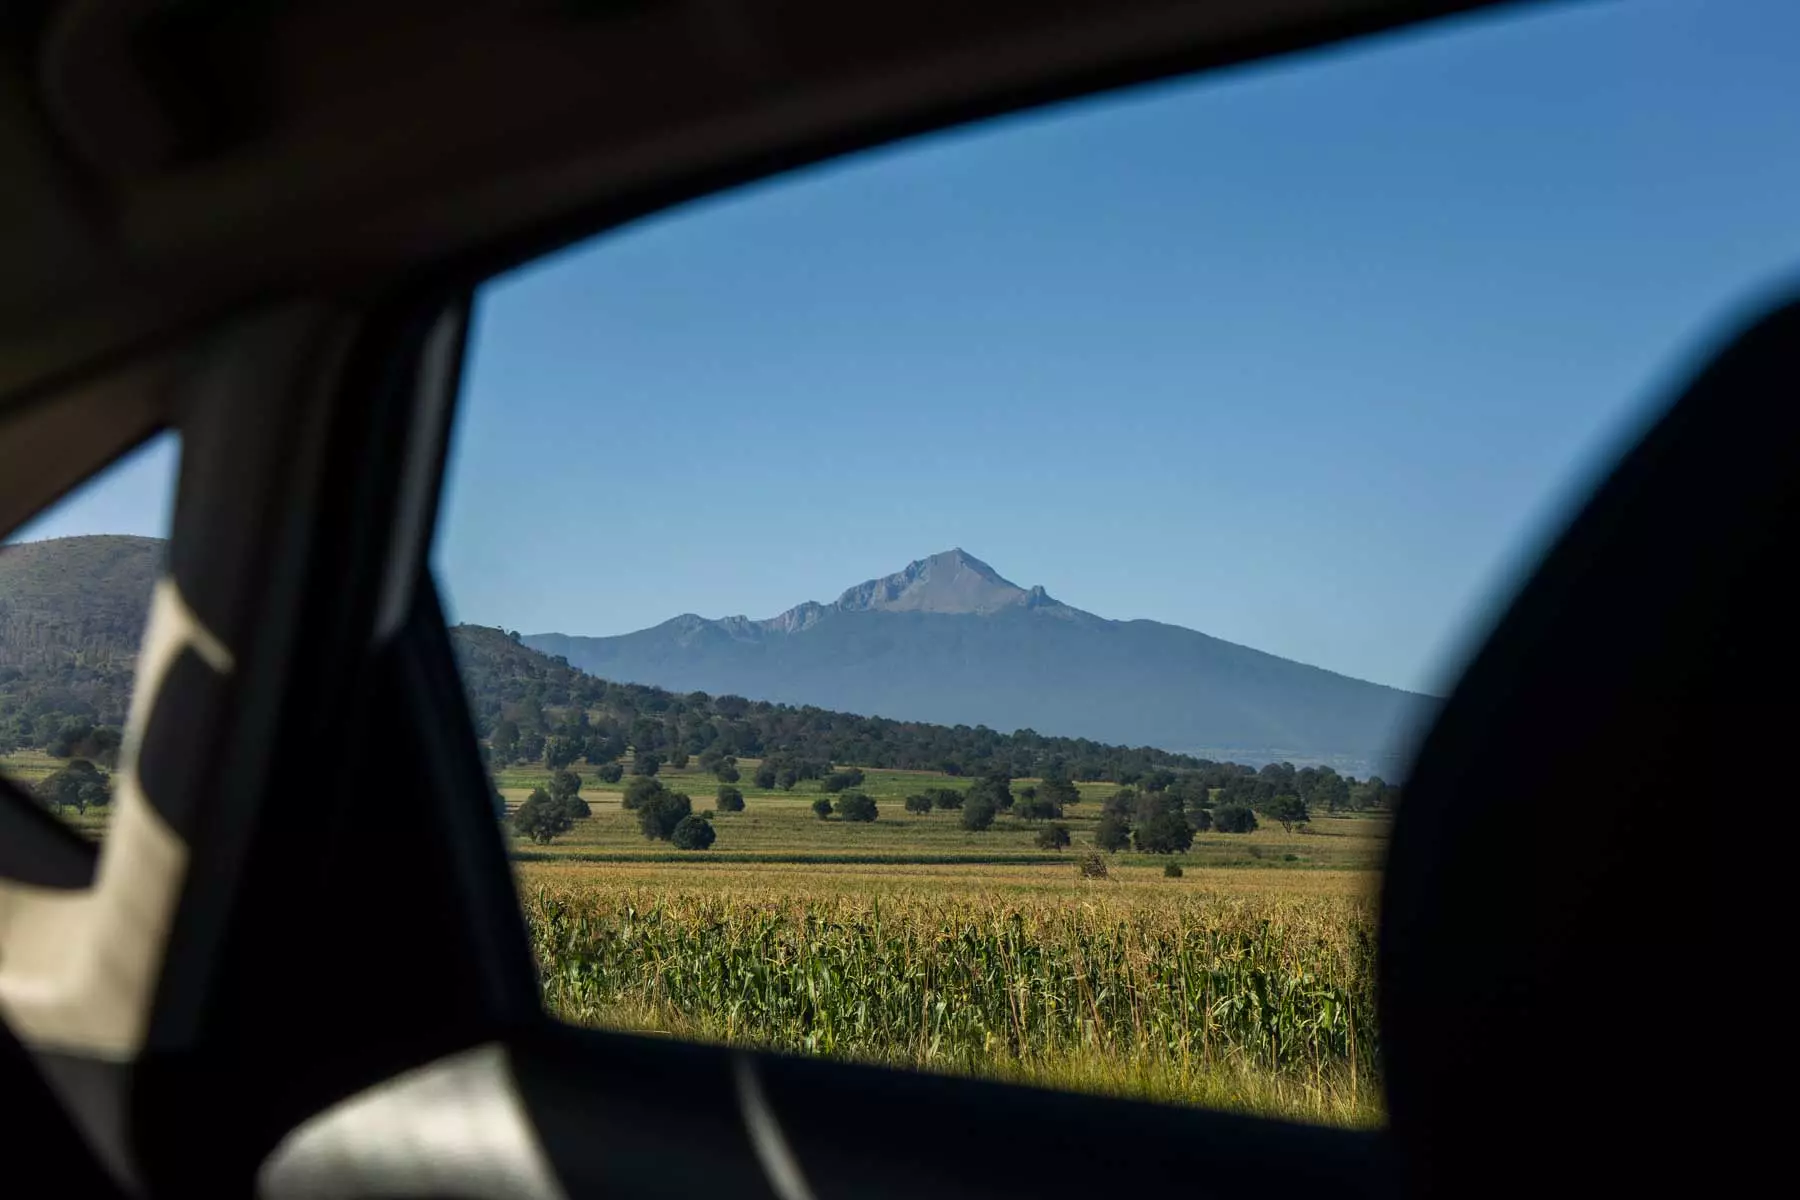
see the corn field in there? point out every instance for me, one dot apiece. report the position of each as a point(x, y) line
point(1264, 1004)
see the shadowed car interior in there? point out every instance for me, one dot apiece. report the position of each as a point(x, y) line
point(260, 226)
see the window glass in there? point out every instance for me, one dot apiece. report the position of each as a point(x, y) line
point(969, 606)
point(75, 588)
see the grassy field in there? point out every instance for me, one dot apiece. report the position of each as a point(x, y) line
point(1247, 983)
point(778, 826)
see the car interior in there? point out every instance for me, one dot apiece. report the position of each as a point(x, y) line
point(260, 225)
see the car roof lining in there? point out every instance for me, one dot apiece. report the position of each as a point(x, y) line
point(373, 143)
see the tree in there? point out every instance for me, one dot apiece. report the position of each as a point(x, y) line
point(93, 795)
point(1158, 780)
point(1036, 807)
point(678, 758)
point(1200, 819)
point(611, 772)
point(1234, 818)
point(856, 806)
point(821, 808)
point(645, 764)
point(1091, 866)
point(1172, 870)
point(839, 781)
point(1059, 790)
point(1289, 811)
point(564, 783)
point(531, 745)
point(505, 740)
point(765, 775)
point(659, 814)
point(640, 791)
point(946, 798)
point(727, 772)
point(787, 778)
point(1053, 837)
point(1121, 803)
point(1112, 834)
point(730, 799)
point(559, 752)
point(918, 802)
point(1165, 833)
point(541, 818)
point(978, 812)
point(67, 785)
point(693, 833)
point(993, 787)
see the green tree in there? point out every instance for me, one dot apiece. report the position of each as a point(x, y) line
point(1060, 790)
point(765, 775)
point(658, 815)
point(946, 798)
point(611, 772)
point(565, 787)
point(604, 748)
point(839, 781)
point(1121, 803)
point(1036, 807)
point(727, 772)
point(678, 758)
point(978, 812)
point(65, 786)
point(1289, 811)
point(559, 752)
point(693, 833)
point(1234, 818)
point(1165, 833)
point(645, 764)
point(505, 740)
point(541, 818)
point(1158, 780)
point(995, 788)
point(730, 799)
point(787, 778)
point(918, 802)
point(640, 791)
point(1112, 834)
point(1053, 837)
point(856, 806)
point(531, 745)
point(821, 808)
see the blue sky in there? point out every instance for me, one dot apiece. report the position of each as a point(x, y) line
point(1308, 356)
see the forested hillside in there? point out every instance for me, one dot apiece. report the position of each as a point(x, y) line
point(530, 707)
point(71, 613)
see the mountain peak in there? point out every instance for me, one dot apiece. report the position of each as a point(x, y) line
point(954, 581)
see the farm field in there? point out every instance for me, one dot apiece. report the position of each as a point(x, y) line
point(1246, 983)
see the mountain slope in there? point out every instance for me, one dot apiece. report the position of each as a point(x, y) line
point(949, 640)
point(71, 612)
point(509, 683)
